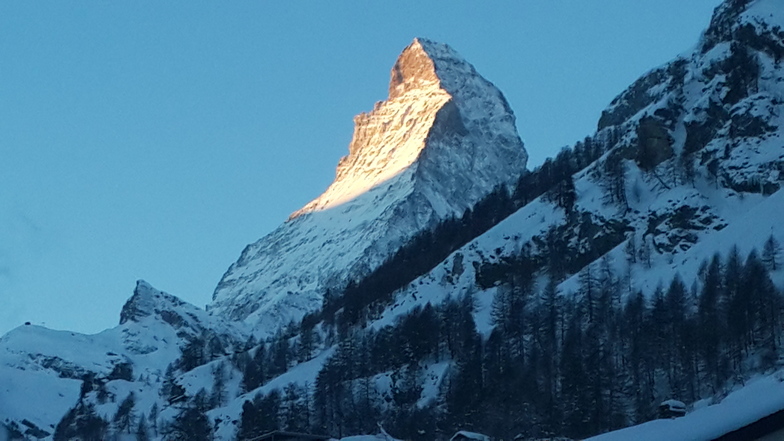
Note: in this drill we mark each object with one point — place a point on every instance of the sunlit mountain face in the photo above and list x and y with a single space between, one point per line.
444 139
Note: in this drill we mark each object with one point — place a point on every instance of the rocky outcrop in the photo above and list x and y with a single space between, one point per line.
654 143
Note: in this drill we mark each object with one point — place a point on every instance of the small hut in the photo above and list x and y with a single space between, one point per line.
672 409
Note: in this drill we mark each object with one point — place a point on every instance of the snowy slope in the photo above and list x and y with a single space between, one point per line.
735 146
761 397
443 140
457 274
41 370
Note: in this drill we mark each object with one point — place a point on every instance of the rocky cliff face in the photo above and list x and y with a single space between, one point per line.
717 107
444 139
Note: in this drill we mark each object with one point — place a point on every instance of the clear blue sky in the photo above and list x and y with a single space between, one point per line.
155 140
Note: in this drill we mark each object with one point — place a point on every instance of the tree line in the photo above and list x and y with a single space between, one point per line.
363 300
573 364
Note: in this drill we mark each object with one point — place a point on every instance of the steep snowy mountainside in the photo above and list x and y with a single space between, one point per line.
692 165
723 100
42 370
443 140
457 275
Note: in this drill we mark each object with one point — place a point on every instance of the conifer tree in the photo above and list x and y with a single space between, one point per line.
645 251
82 423
192 423
637 349
630 249
711 327
153 419
170 389
575 399
125 418
281 352
218 394
193 354
771 254
764 307
254 374
737 307
547 332
142 433
675 315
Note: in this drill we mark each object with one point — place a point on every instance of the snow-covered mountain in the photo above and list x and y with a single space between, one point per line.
503 334
693 165
43 371
443 140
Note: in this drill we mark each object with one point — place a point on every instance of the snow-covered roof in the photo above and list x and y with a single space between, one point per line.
470 435
675 404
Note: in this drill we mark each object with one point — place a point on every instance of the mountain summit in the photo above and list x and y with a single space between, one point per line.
434 96
443 140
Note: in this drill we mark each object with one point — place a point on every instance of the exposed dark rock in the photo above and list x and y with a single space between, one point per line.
632 100
701 131
145 302
34 430
742 70
448 122
769 41
674 230
725 16
121 371
64 369
745 123
640 94
573 245
654 143
172 318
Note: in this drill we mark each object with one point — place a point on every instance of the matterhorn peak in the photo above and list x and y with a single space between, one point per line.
421 65
443 140
414 69
425 64
433 92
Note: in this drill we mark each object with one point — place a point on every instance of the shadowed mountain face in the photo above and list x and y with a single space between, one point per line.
444 139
